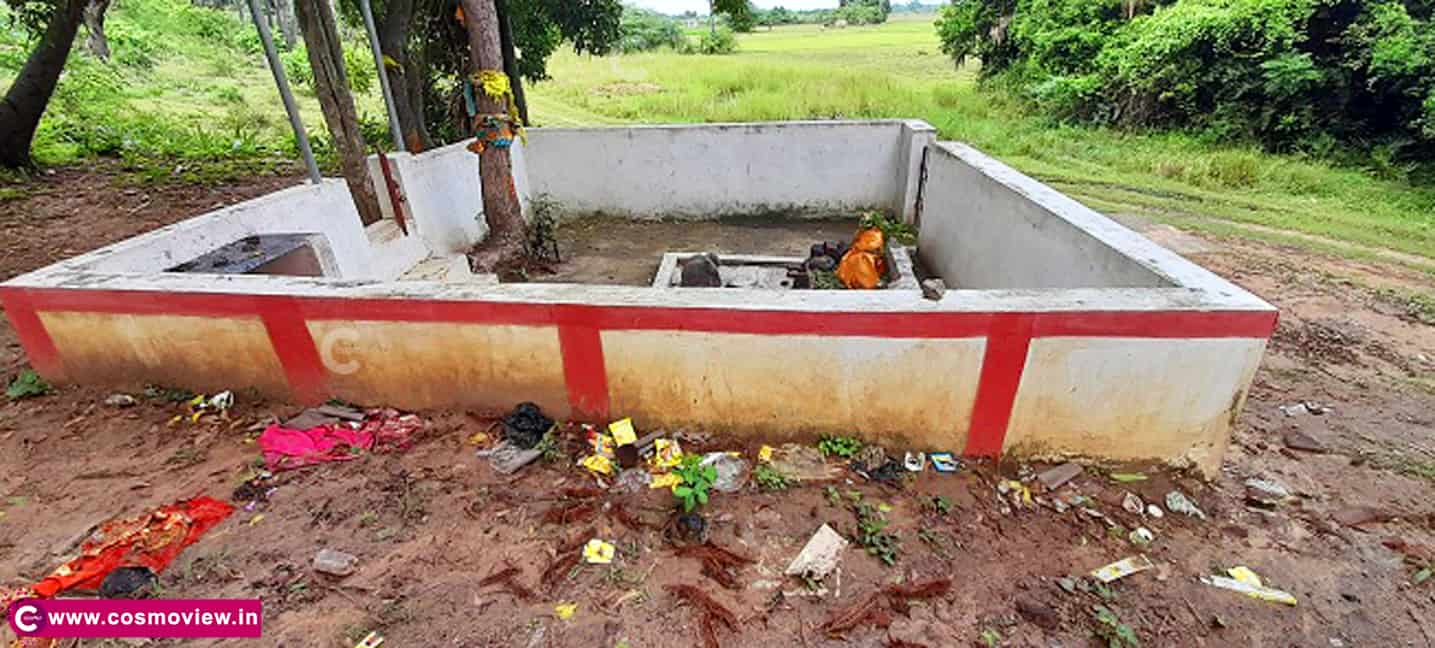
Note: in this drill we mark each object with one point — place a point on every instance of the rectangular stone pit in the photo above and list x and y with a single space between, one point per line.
1066 333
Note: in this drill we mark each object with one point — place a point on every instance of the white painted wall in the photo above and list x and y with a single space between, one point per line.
980 227
321 209
712 170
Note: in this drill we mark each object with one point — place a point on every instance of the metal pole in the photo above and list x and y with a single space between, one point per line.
275 66
394 129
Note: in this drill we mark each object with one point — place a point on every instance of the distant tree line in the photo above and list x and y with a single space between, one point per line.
1311 75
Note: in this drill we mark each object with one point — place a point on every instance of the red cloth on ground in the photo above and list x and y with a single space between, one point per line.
287 449
151 540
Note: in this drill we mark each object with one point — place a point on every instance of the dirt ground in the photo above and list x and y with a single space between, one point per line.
430 523
603 251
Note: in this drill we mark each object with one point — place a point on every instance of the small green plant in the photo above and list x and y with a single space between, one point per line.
844 447
990 638
833 497
1111 630
548 447
769 479
893 231
872 534
697 480
940 504
27 385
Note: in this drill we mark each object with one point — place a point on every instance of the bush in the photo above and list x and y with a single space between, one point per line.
723 41
643 30
1291 74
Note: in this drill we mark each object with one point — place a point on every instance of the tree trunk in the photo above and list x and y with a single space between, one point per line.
28 96
284 11
97 43
406 78
501 209
510 60
331 86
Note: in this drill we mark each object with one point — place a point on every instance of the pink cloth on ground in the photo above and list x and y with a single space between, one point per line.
287 449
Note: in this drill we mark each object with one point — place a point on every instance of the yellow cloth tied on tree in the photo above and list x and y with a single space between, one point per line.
864 265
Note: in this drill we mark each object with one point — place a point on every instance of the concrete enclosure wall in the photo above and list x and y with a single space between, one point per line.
1068 335
983 225
715 170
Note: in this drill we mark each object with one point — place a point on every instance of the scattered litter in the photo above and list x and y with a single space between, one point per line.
1133 504
565 611
732 471
1127 478
764 454
255 520
820 556
1155 511
1298 440
371 640
151 540
1020 494
666 480
1123 568
623 432
288 449
507 458
870 457
1142 536
888 472
310 418
1358 516
125 581
667 453
944 462
121 401
1177 502
1308 407
598 464
632 481
391 430
526 425
691 528
479 438
1054 478
597 552
934 289
802 463
335 563
914 462
1247 582
1265 493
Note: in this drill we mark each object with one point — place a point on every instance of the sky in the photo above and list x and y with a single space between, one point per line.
701 6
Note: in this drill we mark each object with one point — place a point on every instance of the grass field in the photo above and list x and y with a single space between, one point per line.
897 70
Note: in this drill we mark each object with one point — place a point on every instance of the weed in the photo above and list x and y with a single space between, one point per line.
769 479
548 447
836 446
893 231
833 497
938 541
990 638
368 518
940 504
697 480
1111 630
872 534
27 384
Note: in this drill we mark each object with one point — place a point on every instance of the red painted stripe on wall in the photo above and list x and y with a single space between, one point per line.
303 368
1002 368
1143 324
584 372
44 357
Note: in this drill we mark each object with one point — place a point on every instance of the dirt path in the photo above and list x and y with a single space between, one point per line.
430 523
